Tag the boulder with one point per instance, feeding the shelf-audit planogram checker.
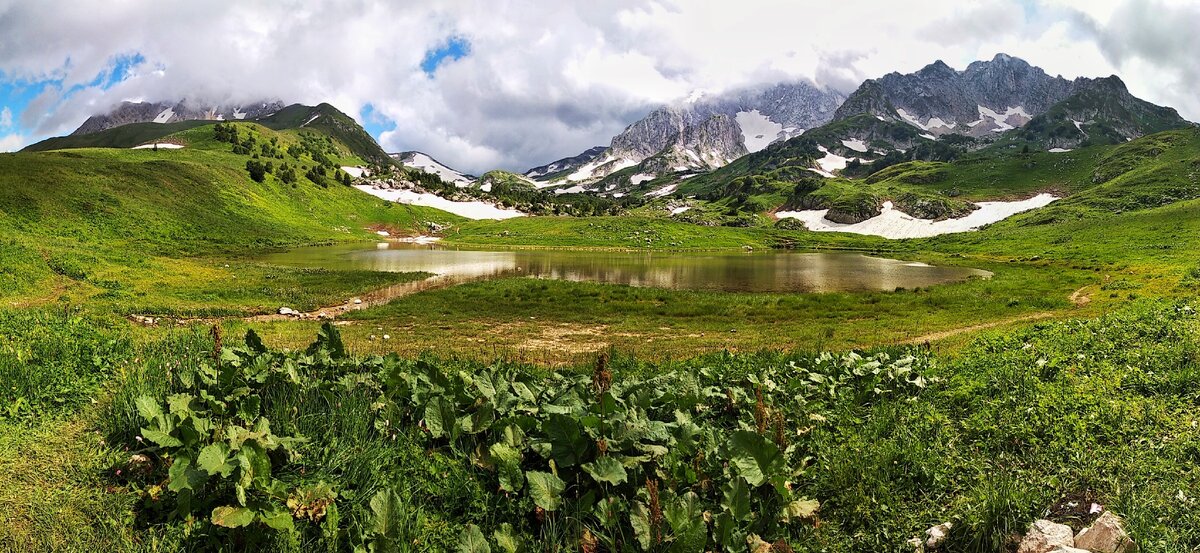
(287, 311)
(1044, 536)
(1106, 535)
(936, 536)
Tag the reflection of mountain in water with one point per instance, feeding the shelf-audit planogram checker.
(745, 272)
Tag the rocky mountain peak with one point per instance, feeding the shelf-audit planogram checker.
(187, 109)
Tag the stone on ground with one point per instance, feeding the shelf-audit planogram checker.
(1044, 536)
(1106, 535)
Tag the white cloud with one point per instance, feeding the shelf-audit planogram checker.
(6, 119)
(544, 78)
(11, 142)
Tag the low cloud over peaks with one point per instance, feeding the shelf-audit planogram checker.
(517, 83)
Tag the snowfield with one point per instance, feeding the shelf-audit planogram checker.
(758, 131)
(855, 144)
(1059, 150)
(432, 166)
(588, 171)
(895, 224)
(933, 123)
(640, 178)
(1001, 119)
(164, 116)
(161, 146)
(470, 210)
(355, 172)
(663, 191)
(830, 163)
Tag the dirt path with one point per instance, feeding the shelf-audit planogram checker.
(373, 298)
(1079, 298)
(942, 335)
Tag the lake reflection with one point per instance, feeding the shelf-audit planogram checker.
(776, 271)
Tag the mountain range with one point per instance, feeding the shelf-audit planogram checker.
(701, 133)
(935, 113)
(173, 112)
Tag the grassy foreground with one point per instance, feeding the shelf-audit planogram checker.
(195, 443)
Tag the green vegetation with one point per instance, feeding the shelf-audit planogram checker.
(876, 446)
(434, 423)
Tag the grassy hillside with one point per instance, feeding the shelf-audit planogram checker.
(124, 136)
(126, 226)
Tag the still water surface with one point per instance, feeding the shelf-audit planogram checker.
(776, 271)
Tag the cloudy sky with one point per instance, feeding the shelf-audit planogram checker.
(482, 84)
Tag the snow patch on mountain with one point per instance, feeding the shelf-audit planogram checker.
(855, 144)
(640, 178)
(758, 130)
(164, 116)
(933, 123)
(1001, 120)
(424, 162)
(895, 224)
(668, 189)
(470, 210)
(158, 145)
(830, 163)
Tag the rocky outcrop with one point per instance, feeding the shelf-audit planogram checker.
(566, 164)
(175, 111)
(704, 132)
(1045, 536)
(1105, 535)
(940, 100)
(991, 97)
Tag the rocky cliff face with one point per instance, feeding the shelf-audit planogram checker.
(565, 165)
(708, 132)
(990, 98)
(1101, 111)
(987, 97)
(171, 112)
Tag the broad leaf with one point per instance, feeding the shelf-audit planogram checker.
(472, 541)
(213, 459)
(184, 476)
(639, 520)
(232, 517)
(801, 510)
(161, 438)
(606, 470)
(508, 466)
(277, 518)
(567, 441)
(439, 417)
(507, 539)
(546, 489)
(755, 457)
(736, 499)
(148, 408)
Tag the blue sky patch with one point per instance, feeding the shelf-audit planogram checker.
(16, 94)
(374, 122)
(454, 48)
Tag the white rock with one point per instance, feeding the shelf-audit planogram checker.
(357, 301)
(934, 537)
(1043, 536)
(287, 311)
(1106, 535)
(387, 336)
